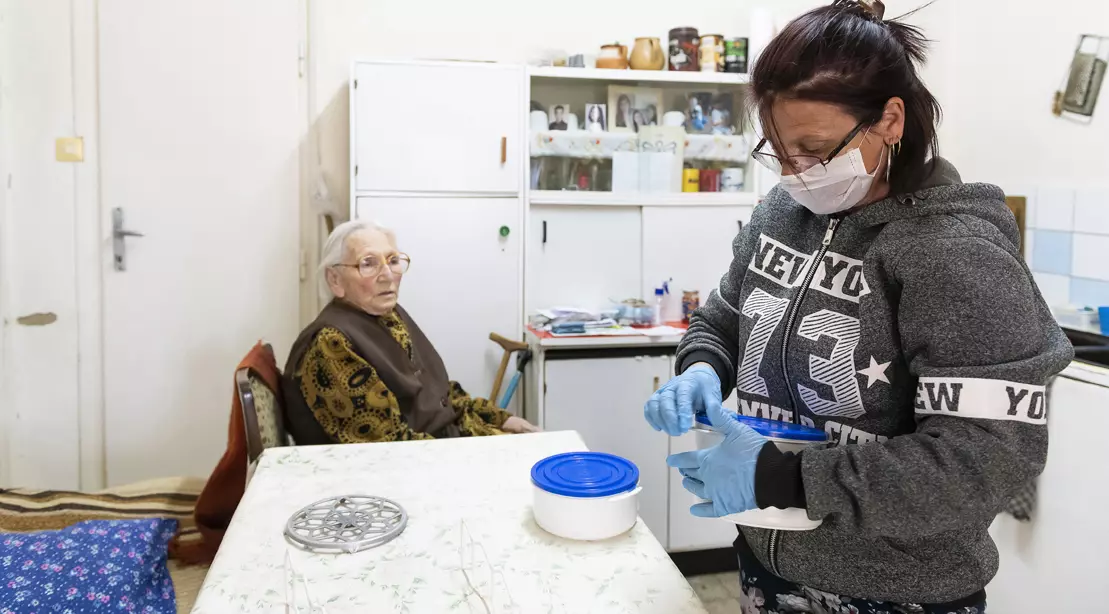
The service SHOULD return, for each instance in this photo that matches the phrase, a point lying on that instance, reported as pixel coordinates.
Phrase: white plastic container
(585, 496)
(788, 438)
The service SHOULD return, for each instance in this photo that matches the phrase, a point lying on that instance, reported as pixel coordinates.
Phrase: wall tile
(1091, 257)
(1091, 211)
(1089, 292)
(1030, 248)
(1055, 288)
(1053, 252)
(1055, 209)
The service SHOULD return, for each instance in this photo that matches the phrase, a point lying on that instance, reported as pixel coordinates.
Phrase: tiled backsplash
(1067, 243)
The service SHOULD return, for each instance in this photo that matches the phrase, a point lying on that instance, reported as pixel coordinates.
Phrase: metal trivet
(347, 524)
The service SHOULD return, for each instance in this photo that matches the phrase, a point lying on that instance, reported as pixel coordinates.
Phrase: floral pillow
(92, 566)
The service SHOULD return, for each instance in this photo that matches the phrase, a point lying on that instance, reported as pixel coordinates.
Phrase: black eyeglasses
(763, 152)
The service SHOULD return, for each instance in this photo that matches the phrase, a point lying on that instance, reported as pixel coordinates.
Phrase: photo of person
(624, 112)
(596, 119)
(634, 107)
(558, 117)
(721, 115)
(698, 118)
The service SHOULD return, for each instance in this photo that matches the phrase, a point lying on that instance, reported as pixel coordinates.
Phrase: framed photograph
(596, 117)
(558, 117)
(698, 113)
(633, 108)
(721, 114)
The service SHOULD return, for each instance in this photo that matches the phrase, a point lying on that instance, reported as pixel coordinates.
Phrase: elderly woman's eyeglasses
(372, 266)
(814, 165)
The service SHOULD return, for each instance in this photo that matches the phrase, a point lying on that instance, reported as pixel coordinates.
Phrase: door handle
(656, 384)
(504, 149)
(119, 245)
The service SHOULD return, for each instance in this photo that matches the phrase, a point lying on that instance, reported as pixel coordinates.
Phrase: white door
(602, 399)
(200, 122)
(435, 127)
(465, 277)
(692, 245)
(583, 256)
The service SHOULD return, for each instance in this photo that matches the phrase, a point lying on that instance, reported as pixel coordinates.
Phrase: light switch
(69, 149)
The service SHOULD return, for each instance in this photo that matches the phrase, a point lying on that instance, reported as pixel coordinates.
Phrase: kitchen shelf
(631, 199)
(652, 76)
(732, 148)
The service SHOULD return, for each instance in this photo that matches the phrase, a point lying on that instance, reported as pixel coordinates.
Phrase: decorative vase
(647, 54)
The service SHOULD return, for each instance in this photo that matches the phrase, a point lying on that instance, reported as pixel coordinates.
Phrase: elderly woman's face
(376, 294)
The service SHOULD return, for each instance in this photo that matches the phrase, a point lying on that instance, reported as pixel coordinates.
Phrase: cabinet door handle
(740, 222)
(504, 149)
(544, 232)
(656, 384)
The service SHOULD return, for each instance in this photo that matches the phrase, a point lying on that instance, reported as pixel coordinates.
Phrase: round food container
(585, 495)
(788, 437)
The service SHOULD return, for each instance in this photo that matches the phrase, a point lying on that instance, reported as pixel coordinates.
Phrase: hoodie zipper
(775, 535)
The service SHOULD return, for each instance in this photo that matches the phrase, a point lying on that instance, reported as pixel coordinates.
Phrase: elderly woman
(363, 371)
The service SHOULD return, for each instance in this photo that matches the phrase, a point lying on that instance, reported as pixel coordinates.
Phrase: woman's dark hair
(845, 54)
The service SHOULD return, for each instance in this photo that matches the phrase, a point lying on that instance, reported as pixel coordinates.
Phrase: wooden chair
(262, 414)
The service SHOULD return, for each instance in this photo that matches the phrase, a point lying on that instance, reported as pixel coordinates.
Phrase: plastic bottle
(657, 319)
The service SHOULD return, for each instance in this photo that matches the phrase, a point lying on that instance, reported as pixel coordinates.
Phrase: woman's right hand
(672, 407)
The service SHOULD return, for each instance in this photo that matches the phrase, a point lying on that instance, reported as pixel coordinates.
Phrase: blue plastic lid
(775, 428)
(585, 474)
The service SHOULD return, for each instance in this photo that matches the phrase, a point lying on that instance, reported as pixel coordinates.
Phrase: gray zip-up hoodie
(912, 333)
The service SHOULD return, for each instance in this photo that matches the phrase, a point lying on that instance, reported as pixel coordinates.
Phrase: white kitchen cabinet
(437, 127)
(464, 282)
(692, 245)
(583, 256)
(602, 399)
(1063, 546)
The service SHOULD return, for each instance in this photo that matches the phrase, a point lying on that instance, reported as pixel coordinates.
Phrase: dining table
(470, 544)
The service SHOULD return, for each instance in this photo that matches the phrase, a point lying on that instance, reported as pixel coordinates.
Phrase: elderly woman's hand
(518, 425)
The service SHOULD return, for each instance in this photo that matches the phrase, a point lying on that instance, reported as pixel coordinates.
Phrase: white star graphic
(875, 372)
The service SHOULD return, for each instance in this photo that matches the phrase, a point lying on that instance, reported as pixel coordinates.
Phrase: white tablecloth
(484, 481)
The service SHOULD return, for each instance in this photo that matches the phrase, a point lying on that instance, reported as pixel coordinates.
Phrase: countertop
(482, 480)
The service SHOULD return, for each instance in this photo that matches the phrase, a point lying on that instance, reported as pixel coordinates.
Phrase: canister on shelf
(735, 55)
(710, 180)
(691, 180)
(712, 53)
(684, 49)
(691, 300)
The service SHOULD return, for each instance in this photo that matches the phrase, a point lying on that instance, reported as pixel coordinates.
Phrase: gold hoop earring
(896, 150)
(889, 162)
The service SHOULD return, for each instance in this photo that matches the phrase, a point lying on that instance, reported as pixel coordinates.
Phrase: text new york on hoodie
(910, 331)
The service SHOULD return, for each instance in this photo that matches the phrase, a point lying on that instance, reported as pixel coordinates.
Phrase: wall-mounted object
(69, 149)
(1086, 74)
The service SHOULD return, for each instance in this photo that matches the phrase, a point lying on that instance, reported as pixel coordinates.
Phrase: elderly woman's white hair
(336, 246)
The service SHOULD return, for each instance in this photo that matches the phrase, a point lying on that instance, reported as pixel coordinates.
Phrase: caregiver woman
(875, 296)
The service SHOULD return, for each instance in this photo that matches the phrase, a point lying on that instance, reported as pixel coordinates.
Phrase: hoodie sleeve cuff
(778, 480)
(726, 383)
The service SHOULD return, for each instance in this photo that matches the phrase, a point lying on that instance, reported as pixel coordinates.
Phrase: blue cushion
(92, 566)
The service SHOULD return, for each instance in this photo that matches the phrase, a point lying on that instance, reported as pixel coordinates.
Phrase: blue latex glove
(672, 407)
(724, 474)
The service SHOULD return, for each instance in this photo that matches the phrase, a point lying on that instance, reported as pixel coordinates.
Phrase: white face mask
(842, 186)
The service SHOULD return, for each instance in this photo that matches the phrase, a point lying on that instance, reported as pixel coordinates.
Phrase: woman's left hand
(723, 475)
(515, 424)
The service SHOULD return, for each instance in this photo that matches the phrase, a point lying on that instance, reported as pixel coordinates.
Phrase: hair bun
(876, 8)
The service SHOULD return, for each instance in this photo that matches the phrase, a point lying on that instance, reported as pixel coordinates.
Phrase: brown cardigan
(419, 383)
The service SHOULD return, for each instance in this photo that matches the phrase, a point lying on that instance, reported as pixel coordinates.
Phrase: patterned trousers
(765, 593)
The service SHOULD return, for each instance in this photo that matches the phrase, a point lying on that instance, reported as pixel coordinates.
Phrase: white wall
(1010, 58)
